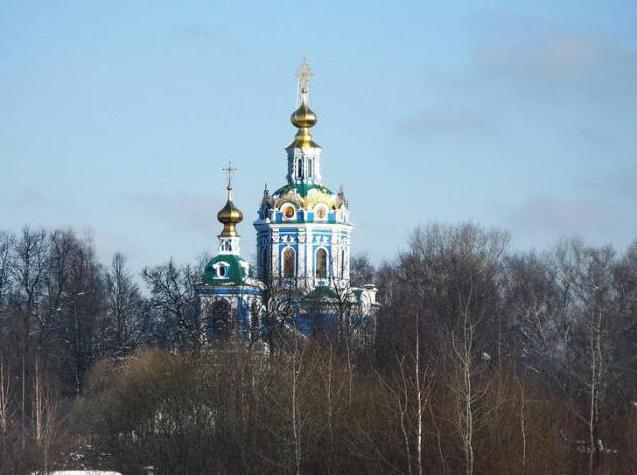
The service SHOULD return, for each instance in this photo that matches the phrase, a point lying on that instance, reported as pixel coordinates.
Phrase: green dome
(234, 273)
(302, 190)
(322, 294)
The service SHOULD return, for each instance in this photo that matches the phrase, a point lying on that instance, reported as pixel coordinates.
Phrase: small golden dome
(303, 117)
(229, 216)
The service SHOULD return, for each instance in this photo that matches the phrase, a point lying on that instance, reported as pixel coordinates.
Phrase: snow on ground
(80, 472)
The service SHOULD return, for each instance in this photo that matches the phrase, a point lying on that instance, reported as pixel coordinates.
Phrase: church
(303, 243)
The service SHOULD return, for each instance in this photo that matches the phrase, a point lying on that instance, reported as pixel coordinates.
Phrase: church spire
(303, 117)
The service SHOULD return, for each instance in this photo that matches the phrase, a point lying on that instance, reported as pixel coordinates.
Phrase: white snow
(80, 472)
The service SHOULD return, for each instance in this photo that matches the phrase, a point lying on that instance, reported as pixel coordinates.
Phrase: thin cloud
(447, 123)
(516, 69)
(32, 197)
(557, 216)
(198, 32)
(558, 62)
(559, 57)
(193, 212)
(618, 184)
(595, 136)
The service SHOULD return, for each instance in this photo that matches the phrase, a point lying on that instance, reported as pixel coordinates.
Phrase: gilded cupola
(229, 216)
(303, 117)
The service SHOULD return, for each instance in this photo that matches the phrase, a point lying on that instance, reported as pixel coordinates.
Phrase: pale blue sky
(117, 116)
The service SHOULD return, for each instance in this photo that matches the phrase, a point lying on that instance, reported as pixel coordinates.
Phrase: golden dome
(229, 216)
(303, 117)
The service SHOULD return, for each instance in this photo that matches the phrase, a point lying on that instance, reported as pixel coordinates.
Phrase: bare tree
(411, 391)
(126, 323)
(295, 406)
(80, 321)
(362, 270)
(174, 299)
(463, 358)
(6, 244)
(5, 395)
(7, 241)
(45, 408)
(29, 267)
(280, 308)
(590, 273)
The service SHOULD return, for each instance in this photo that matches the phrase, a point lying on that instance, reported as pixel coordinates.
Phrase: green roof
(235, 274)
(321, 293)
(302, 190)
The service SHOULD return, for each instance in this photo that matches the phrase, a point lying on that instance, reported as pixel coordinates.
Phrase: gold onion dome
(303, 117)
(229, 216)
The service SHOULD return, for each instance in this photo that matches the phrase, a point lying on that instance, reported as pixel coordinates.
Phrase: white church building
(303, 236)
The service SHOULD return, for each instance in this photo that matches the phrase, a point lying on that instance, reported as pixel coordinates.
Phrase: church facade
(303, 236)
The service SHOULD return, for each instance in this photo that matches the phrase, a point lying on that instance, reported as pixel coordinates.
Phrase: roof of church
(301, 189)
(235, 274)
(322, 293)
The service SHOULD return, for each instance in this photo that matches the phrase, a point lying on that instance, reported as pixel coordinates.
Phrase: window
(299, 168)
(222, 270)
(264, 267)
(310, 170)
(321, 264)
(288, 212)
(219, 319)
(321, 212)
(342, 263)
(288, 262)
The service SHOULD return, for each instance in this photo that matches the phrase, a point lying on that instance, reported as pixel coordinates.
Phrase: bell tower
(230, 299)
(303, 228)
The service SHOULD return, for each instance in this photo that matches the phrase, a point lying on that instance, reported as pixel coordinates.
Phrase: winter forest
(485, 360)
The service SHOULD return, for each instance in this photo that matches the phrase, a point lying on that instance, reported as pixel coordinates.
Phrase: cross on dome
(229, 170)
(303, 74)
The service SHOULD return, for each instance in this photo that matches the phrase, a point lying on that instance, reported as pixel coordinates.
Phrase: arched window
(310, 170)
(264, 267)
(221, 270)
(342, 263)
(320, 212)
(299, 168)
(321, 263)
(288, 262)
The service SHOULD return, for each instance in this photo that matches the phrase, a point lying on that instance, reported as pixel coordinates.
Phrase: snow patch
(80, 472)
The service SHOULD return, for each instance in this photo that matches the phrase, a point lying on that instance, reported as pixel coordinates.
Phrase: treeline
(485, 361)
(61, 311)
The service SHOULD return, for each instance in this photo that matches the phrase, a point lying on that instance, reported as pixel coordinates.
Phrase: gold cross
(304, 73)
(229, 170)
